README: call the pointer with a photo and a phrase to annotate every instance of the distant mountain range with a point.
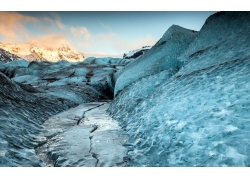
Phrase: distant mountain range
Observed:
(36, 52)
(6, 56)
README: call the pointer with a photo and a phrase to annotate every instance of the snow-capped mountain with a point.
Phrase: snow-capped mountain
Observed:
(35, 51)
(136, 53)
(6, 56)
(70, 54)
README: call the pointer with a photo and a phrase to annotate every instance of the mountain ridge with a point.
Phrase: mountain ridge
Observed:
(6, 56)
(34, 51)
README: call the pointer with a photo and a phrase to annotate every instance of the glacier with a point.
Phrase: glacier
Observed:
(185, 102)
(160, 57)
(33, 93)
(197, 115)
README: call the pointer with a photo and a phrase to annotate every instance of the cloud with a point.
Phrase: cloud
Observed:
(60, 24)
(82, 31)
(53, 41)
(108, 36)
(56, 21)
(55, 15)
(52, 33)
(48, 20)
(12, 24)
(106, 26)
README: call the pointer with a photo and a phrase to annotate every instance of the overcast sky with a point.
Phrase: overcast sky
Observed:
(99, 34)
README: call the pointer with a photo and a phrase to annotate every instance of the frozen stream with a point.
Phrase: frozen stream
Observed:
(83, 136)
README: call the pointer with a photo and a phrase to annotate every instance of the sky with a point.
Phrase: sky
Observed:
(95, 33)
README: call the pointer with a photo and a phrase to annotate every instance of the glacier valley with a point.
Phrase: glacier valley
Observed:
(184, 102)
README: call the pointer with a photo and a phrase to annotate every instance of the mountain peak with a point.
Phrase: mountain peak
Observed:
(35, 51)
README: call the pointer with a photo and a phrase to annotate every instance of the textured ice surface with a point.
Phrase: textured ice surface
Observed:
(198, 120)
(224, 37)
(83, 136)
(199, 116)
(21, 117)
(20, 63)
(32, 92)
(106, 61)
(134, 93)
(162, 56)
(73, 81)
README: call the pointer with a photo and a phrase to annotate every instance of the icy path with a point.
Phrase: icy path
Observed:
(83, 136)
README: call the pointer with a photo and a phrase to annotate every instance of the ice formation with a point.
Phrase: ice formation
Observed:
(32, 92)
(184, 102)
(161, 56)
(200, 115)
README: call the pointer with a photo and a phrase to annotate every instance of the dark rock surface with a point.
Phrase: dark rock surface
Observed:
(6, 56)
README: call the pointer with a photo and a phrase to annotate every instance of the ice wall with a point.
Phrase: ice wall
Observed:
(200, 115)
(161, 56)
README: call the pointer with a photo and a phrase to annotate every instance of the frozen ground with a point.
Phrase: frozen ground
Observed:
(32, 92)
(83, 136)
